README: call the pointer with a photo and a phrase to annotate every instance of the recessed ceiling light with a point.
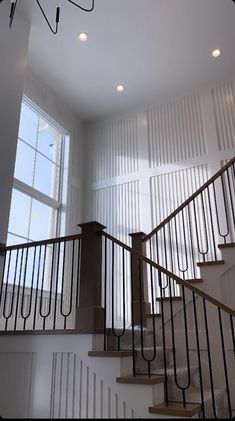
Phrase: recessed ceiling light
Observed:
(216, 53)
(120, 88)
(83, 37)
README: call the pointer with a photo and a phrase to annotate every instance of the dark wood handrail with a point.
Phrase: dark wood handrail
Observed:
(4, 248)
(190, 199)
(176, 278)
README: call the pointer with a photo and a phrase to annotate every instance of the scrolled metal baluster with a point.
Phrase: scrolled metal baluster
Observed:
(105, 293)
(183, 270)
(180, 387)
(7, 317)
(2, 277)
(118, 335)
(212, 225)
(225, 363)
(56, 283)
(78, 271)
(147, 360)
(37, 285)
(163, 341)
(132, 322)
(44, 316)
(198, 354)
(233, 333)
(26, 316)
(217, 217)
(65, 315)
(18, 291)
(209, 358)
(192, 245)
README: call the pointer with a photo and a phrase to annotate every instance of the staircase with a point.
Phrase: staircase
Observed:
(159, 308)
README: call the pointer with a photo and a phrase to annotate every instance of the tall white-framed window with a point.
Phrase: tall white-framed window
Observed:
(39, 192)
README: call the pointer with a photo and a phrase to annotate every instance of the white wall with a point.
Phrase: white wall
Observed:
(142, 165)
(13, 58)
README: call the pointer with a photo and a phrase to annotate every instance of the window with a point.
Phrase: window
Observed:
(40, 178)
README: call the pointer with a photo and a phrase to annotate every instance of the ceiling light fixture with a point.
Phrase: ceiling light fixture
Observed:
(57, 16)
(120, 88)
(216, 53)
(83, 37)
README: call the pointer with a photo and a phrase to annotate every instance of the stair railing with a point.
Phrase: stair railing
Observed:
(190, 344)
(191, 233)
(39, 284)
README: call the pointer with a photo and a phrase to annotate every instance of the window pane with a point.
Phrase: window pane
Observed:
(43, 221)
(14, 239)
(28, 125)
(20, 213)
(46, 177)
(24, 166)
(49, 141)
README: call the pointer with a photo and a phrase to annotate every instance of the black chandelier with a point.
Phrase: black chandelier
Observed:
(57, 15)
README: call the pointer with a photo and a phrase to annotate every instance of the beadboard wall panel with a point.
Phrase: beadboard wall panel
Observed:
(175, 131)
(224, 110)
(114, 148)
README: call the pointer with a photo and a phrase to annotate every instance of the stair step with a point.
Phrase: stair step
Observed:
(141, 379)
(110, 354)
(150, 315)
(210, 263)
(176, 409)
(226, 246)
(168, 298)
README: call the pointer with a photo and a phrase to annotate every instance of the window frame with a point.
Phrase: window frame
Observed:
(33, 193)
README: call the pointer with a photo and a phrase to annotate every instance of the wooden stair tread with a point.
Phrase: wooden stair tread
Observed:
(110, 354)
(226, 246)
(211, 263)
(176, 409)
(169, 298)
(141, 379)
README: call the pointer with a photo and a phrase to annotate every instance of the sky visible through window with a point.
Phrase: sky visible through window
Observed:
(38, 169)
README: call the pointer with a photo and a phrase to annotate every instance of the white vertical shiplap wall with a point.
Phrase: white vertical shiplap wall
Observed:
(167, 150)
(43, 97)
(175, 131)
(77, 392)
(143, 165)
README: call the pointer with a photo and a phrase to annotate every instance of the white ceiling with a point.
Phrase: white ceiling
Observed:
(156, 48)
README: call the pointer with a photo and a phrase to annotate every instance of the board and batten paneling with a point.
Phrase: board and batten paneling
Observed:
(169, 190)
(77, 392)
(223, 98)
(175, 131)
(16, 386)
(114, 148)
(117, 207)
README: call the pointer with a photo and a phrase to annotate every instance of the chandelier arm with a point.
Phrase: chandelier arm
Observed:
(12, 12)
(54, 31)
(83, 8)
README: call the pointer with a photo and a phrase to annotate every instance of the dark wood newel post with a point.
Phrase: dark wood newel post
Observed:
(139, 299)
(90, 314)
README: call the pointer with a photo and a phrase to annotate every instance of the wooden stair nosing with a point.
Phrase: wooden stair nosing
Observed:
(176, 409)
(169, 298)
(141, 379)
(226, 246)
(110, 354)
(211, 263)
(150, 315)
